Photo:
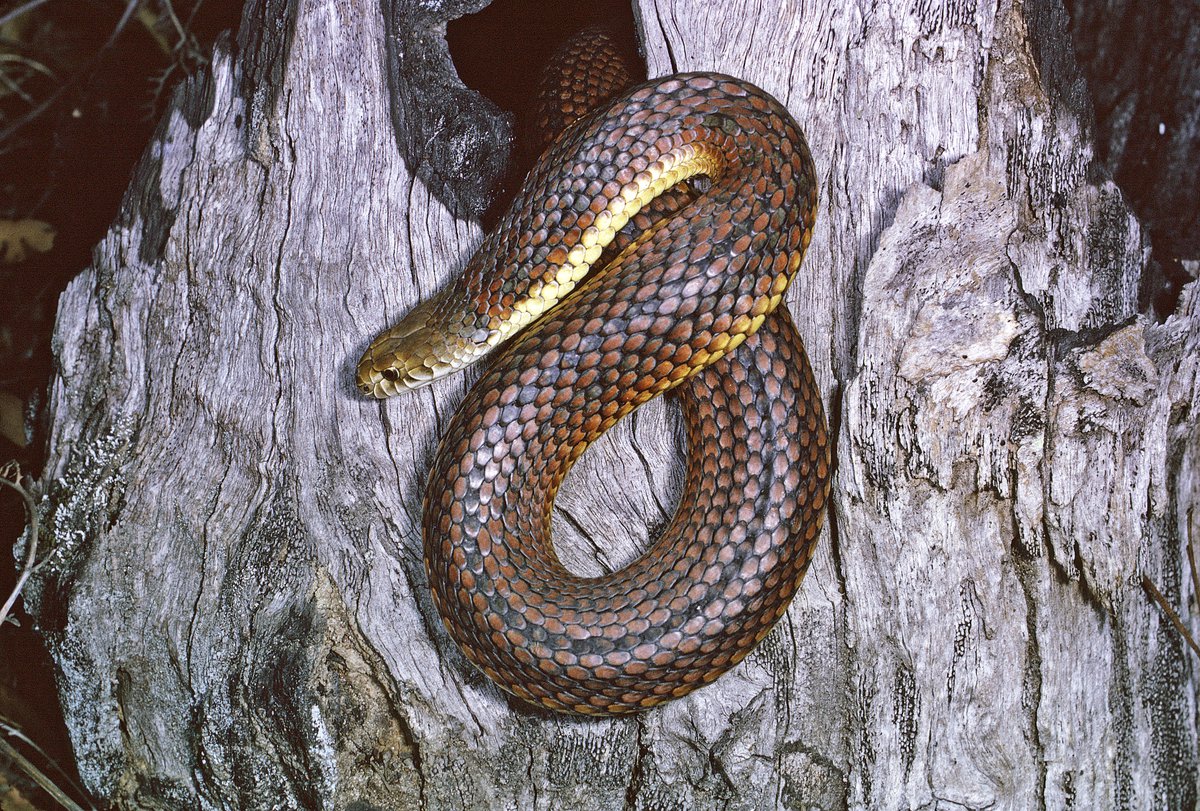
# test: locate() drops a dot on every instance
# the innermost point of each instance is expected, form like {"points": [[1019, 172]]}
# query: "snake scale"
{"points": [[688, 301]]}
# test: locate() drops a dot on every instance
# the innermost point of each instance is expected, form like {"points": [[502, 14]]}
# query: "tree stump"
{"points": [[237, 604]]}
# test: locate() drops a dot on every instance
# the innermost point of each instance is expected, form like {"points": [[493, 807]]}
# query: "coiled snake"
{"points": [[579, 347]]}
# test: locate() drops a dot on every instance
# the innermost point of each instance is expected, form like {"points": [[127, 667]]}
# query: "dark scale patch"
{"points": [[725, 123]]}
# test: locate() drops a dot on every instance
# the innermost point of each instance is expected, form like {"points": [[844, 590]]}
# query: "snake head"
{"points": [[426, 344]]}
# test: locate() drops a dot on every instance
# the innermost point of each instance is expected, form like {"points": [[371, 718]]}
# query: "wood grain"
{"points": [[237, 603]]}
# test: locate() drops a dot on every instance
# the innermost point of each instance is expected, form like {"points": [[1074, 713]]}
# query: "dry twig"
{"points": [[20, 11], [16, 125], [1156, 595], [38, 776], [10, 729], [10, 476]]}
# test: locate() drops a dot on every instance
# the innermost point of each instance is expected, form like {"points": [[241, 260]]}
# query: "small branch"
{"points": [[13, 87], [28, 62], [21, 10], [185, 50], [19, 123], [10, 476], [13, 731], [1157, 596], [36, 775], [179, 29], [149, 22], [130, 8]]}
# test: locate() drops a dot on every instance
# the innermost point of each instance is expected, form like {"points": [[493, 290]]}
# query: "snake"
{"points": [[586, 308]]}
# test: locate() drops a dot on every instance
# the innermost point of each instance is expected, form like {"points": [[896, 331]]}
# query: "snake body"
{"points": [[580, 347]]}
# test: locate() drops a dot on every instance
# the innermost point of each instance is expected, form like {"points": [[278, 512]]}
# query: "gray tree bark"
{"points": [[237, 603]]}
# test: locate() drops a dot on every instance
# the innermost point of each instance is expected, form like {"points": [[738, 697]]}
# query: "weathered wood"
{"points": [[237, 602]]}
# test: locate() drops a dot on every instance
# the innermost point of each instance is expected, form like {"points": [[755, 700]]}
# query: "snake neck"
{"points": [[588, 185], [520, 271]]}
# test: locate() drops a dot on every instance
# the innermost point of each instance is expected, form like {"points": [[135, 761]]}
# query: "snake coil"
{"points": [[580, 345]]}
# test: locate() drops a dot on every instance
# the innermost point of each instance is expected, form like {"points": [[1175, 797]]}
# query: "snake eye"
{"points": [[391, 374], [720, 121]]}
